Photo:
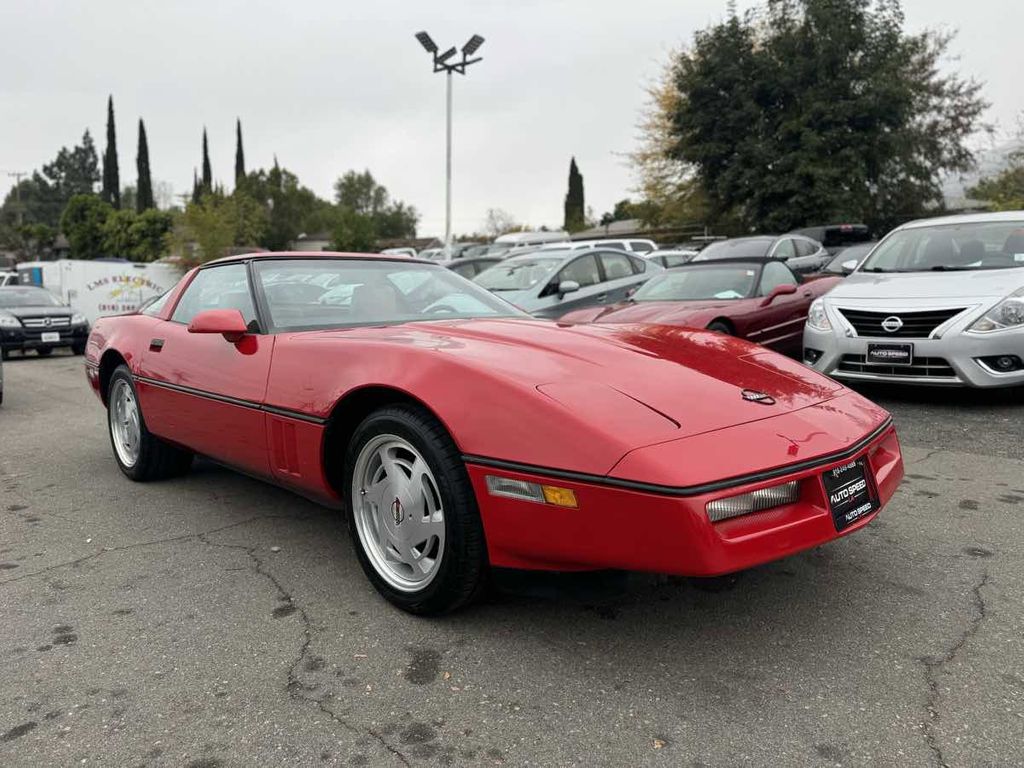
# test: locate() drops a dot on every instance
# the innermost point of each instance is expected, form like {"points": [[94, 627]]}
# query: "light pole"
{"points": [[441, 64]]}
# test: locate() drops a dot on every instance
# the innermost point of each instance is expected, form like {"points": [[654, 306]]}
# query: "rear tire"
{"points": [[437, 561], [139, 454], [78, 349], [719, 327]]}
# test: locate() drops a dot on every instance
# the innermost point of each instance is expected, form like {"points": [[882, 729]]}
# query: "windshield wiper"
{"points": [[949, 268]]}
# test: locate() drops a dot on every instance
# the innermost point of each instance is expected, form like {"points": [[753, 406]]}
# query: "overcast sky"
{"points": [[334, 85]]}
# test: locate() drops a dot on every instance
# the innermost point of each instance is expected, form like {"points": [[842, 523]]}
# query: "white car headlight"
{"points": [[78, 319], [9, 321], [817, 317], [1008, 313]]}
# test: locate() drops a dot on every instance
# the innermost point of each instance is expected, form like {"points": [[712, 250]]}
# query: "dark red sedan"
{"points": [[457, 433], [758, 299]]}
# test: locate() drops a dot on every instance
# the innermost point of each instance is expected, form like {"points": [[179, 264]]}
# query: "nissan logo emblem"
{"points": [[892, 324]]}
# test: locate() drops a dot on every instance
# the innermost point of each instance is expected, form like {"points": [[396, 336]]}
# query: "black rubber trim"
{"points": [[686, 490], [284, 412]]}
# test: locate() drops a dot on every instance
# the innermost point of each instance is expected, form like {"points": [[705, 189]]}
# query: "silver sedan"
{"points": [[938, 301], [549, 283]]}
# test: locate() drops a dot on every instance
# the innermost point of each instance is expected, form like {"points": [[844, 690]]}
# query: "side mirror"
{"points": [[227, 322], [848, 266], [778, 290], [568, 286]]}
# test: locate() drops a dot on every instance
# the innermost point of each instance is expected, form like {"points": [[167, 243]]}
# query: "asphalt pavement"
{"points": [[217, 621]]}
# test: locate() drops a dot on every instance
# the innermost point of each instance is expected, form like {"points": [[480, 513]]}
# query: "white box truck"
{"points": [[101, 287]]}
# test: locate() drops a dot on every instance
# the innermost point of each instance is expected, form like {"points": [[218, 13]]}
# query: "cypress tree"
{"points": [[239, 154], [575, 217], [207, 172], [197, 191], [111, 191], [144, 190]]}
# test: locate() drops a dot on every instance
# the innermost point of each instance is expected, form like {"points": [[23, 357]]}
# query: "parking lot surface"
{"points": [[215, 620]]}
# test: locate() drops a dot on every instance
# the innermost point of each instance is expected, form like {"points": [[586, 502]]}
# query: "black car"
{"points": [[33, 318]]}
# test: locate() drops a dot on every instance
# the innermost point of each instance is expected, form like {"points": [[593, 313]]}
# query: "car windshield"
{"points": [[520, 273], [854, 253], [740, 248], [950, 247], [334, 293], [690, 284], [27, 297]]}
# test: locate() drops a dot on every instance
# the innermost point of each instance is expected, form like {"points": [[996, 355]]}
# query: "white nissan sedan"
{"points": [[938, 301]]}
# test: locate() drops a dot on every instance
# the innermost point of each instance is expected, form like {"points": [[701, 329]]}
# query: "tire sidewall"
{"points": [[461, 519]]}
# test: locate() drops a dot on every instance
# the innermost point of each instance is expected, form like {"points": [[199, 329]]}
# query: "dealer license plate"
{"points": [[851, 493], [50, 336], [891, 354]]}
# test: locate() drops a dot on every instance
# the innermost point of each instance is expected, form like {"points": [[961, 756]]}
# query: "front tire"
{"points": [[140, 454], [44, 351], [719, 327], [412, 513], [78, 349]]}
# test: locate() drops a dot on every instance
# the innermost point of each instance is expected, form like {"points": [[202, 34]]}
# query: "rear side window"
{"points": [[616, 266], [583, 270], [639, 246], [639, 265], [805, 247], [225, 287], [784, 250]]}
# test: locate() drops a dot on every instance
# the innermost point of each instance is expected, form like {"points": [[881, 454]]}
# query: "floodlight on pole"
{"points": [[441, 65], [426, 42]]}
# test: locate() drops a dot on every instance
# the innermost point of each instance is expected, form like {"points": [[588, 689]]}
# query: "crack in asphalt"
{"points": [[933, 666], [924, 458], [295, 687], [155, 542]]}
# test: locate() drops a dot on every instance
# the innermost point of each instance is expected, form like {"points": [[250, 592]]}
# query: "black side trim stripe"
{"points": [[686, 490], [284, 412]]}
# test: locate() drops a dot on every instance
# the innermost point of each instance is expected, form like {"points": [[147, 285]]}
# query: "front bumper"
{"points": [[954, 359], [616, 527], [22, 339]]}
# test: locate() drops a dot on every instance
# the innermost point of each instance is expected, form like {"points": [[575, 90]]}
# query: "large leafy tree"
{"points": [[291, 208], [1004, 190], [808, 111], [83, 223], [575, 208], [358, 195], [144, 191], [111, 190]]}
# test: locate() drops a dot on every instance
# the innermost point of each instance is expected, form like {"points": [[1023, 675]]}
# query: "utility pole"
{"points": [[18, 176], [441, 65]]}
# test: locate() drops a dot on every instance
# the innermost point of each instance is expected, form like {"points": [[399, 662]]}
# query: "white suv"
{"points": [[631, 245]]}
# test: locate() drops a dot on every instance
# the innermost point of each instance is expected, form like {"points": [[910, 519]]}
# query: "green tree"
{"points": [[575, 208], [111, 190], [149, 235], [83, 223], [808, 111], [291, 208], [144, 193], [207, 170], [204, 231], [353, 232], [116, 237], [239, 153], [44, 196], [359, 194], [1005, 190]]}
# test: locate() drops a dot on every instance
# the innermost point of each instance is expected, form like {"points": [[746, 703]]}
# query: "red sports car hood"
{"points": [[644, 383]]}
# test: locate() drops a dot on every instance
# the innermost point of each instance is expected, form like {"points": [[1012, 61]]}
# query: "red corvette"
{"points": [[760, 300], [458, 433]]}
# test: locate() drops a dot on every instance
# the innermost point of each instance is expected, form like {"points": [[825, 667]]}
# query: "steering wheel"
{"points": [[441, 309]]}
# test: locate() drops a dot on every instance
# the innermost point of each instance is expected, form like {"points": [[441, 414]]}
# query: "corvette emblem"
{"points": [[753, 396], [892, 324], [397, 511]]}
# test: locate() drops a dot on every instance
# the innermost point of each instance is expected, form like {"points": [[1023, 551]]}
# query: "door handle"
{"points": [[602, 297], [155, 345]]}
